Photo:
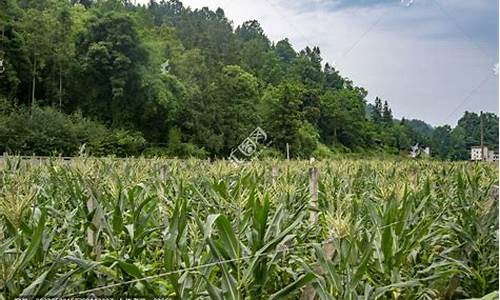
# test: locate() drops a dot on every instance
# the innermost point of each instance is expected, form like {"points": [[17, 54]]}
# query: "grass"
{"points": [[385, 229]]}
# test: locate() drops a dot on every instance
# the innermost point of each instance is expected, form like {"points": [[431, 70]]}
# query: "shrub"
{"points": [[46, 131]]}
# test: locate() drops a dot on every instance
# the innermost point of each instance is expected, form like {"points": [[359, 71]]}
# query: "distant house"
{"points": [[492, 156], [476, 154], [417, 151], [427, 151]]}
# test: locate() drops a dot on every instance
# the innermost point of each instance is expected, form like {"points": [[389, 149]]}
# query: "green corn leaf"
{"points": [[130, 269], [286, 292], [36, 241]]}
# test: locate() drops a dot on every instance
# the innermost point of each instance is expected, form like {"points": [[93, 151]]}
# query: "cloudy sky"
{"points": [[431, 59]]}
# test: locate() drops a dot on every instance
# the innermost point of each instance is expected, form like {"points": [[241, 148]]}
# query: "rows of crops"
{"points": [[193, 229]]}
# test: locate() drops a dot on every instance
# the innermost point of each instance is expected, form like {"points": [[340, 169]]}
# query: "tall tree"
{"points": [[227, 114], [251, 30], [377, 111], [387, 114], [64, 47], [112, 56], [441, 141], [37, 25], [307, 67], [16, 78], [332, 78], [187, 78], [285, 118], [285, 51], [343, 118]]}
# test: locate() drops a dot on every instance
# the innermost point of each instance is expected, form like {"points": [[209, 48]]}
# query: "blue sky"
{"points": [[430, 59]]}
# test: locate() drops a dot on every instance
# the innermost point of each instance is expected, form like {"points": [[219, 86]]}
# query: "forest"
{"points": [[112, 78]]}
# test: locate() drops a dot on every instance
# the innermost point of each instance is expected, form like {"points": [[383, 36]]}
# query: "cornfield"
{"points": [[379, 229]]}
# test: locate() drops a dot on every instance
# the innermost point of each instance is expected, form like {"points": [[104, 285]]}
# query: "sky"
{"points": [[430, 59]]}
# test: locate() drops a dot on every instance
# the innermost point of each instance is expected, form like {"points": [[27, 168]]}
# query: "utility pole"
{"points": [[482, 137], [287, 151]]}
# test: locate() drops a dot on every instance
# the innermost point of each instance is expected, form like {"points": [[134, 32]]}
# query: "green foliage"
{"points": [[420, 127], [387, 114], [228, 114], [386, 229], [343, 118], [322, 152], [111, 55], [376, 114], [46, 131], [455, 144], [284, 118], [308, 139], [162, 66]]}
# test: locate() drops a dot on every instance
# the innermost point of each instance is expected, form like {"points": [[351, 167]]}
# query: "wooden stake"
{"points": [[274, 174], [90, 232], [313, 188], [495, 192], [91, 235], [330, 252], [163, 173], [287, 151]]}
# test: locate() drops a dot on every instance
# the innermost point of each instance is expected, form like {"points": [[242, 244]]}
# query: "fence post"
{"points": [[329, 250], [90, 232], [163, 173], [274, 174], [91, 235], [313, 189], [495, 192]]}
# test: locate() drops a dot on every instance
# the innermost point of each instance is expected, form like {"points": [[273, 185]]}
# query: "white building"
{"points": [[417, 151], [492, 156], [476, 154]]}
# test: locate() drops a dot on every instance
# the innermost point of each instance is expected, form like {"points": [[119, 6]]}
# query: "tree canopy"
{"points": [[165, 79]]}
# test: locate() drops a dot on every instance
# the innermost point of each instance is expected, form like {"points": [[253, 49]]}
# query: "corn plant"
{"points": [[199, 230]]}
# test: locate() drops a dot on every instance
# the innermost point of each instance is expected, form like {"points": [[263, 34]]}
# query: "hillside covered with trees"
{"points": [[164, 79]]}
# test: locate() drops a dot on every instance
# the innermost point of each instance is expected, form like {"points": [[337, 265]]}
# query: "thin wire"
{"points": [[64, 139], [468, 97], [72, 158], [432, 216], [486, 79], [446, 14], [248, 257], [278, 11], [194, 268], [363, 35], [372, 26]]}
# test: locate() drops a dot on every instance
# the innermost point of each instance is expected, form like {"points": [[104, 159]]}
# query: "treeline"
{"points": [[163, 79]]}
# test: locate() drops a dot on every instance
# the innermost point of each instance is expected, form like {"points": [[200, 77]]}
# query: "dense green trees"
{"points": [[226, 113], [343, 118], [454, 144], [165, 79], [285, 120], [46, 131], [111, 55]]}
